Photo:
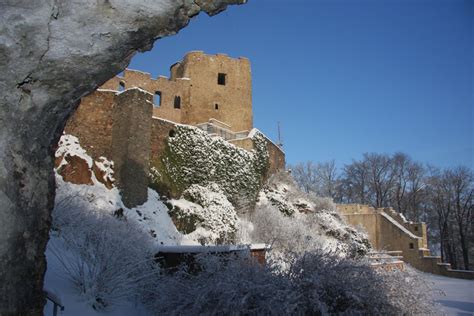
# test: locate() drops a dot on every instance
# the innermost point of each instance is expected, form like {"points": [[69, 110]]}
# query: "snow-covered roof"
{"points": [[207, 249]]}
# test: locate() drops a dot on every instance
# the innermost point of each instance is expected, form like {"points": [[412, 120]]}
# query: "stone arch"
{"points": [[41, 84]]}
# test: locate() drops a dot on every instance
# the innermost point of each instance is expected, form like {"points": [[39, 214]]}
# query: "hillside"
{"points": [[105, 250]]}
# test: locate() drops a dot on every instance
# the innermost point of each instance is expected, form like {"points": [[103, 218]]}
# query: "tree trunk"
{"points": [[464, 248]]}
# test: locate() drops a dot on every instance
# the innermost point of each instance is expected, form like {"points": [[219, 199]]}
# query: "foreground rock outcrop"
{"points": [[51, 54]]}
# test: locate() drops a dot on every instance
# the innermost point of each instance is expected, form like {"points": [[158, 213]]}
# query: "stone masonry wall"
{"points": [[92, 123], [160, 131], [389, 231], [195, 81], [233, 100], [131, 144], [168, 89], [276, 158]]}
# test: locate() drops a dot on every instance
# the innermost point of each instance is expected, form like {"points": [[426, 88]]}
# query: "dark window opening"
{"points": [[172, 133], [177, 102], [412, 246], [216, 106], [416, 228], [157, 98], [221, 79], [121, 86]]}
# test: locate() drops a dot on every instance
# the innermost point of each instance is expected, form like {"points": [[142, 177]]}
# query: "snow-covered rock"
{"points": [[300, 222], [75, 166], [205, 214]]}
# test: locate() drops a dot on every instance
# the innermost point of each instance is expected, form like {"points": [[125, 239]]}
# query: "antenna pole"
{"points": [[280, 143]]}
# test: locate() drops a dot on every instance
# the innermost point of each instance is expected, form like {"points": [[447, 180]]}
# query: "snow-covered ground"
{"points": [[457, 297]]}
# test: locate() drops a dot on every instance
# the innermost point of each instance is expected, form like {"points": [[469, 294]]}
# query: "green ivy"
{"points": [[193, 157]]}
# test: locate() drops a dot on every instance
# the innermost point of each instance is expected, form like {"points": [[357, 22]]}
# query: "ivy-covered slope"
{"points": [[193, 157]]}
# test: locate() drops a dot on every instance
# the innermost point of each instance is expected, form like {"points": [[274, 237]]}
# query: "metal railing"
{"points": [[227, 134], [55, 300]]}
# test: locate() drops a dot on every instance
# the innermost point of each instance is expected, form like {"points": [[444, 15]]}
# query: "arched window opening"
{"points": [[121, 86], [157, 98], [177, 102]]}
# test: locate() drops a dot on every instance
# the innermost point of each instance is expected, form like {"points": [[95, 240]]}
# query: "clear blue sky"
{"points": [[348, 77]]}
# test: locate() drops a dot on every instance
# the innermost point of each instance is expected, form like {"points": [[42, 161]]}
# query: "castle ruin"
{"points": [[129, 118], [388, 230]]}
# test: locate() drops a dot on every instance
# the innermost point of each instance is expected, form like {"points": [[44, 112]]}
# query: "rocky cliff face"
{"points": [[52, 53]]}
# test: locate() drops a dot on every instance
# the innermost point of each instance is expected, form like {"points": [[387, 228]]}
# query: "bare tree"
{"points": [[305, 175], [461, 182], [441, 204], [327, 178], [416, 174], [441, 197], [401, 164], [320, 179], [380, 178], [354, 182]]}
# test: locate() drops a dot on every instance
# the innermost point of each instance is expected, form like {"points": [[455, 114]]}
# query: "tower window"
{"points": [[416, 228], [216, 106], [221, 79], [412, 246], [177, 102], [121, 86], [157, 98]]}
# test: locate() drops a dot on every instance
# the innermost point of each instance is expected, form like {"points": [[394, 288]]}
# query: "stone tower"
{"points": [[220, 88], [201, 87]]}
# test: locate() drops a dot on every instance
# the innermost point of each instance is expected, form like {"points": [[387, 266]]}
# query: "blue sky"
{"points": [[348, 77]]}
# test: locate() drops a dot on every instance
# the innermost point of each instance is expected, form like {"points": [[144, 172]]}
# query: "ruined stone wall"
{"points": [[195, 81], [389, 231], [131, 144], [418, 229], [168, 89], [369, 222], [160, 131], [384, 233], [393, 238], [245, 143], [276, 159], [92, 123], [230, 103]]}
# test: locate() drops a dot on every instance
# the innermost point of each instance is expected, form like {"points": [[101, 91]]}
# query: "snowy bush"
{"points": [[226, 286], [333, 285], [205, 214], [109, 261], [291, 220], [285, 234], [194, 157], [314, 284]]}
